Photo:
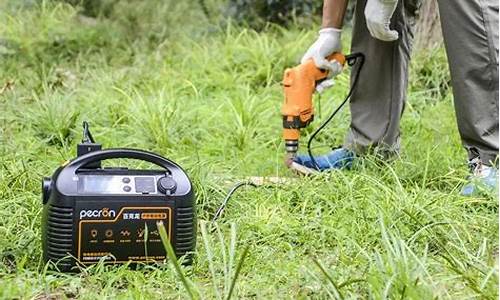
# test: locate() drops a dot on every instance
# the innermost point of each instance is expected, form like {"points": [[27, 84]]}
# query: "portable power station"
{"points": [[93, 213]]}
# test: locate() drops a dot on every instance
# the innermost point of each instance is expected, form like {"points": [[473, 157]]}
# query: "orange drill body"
{"points": [[299, 86]]}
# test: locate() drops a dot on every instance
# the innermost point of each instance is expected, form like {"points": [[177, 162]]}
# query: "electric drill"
{"points": [[297, 110]]}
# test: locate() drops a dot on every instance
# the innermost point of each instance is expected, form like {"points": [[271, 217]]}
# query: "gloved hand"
{"points": [[327, 43], [378, 15]]}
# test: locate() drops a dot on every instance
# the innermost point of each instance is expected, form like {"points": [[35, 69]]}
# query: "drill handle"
{"points": [[337, 56], [322, 74]]}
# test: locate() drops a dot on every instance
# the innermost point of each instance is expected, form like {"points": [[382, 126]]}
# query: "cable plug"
{"points": [[87, 145]]}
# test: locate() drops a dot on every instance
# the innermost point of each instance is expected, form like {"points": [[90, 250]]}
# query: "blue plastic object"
{"points": [[340, 158]]}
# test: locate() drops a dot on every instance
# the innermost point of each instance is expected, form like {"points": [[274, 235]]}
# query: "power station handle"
{"points": [[114, 153]]}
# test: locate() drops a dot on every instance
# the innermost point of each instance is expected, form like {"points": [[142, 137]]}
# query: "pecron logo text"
{"points": [[103, 213]]}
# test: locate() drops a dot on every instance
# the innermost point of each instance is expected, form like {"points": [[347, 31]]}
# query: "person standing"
{"points": [[383, 30]]}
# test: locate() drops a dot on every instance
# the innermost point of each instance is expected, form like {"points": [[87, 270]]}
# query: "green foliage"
{"points": [[431, 81], [209, 99], [94, 8], [258, 13]]}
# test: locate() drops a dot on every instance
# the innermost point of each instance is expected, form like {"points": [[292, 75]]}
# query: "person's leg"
{"points": [[378, 101], [470, 31]]}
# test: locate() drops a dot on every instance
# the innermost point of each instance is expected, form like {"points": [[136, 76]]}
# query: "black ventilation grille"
{"points": [[185, 231], [60, 235]]}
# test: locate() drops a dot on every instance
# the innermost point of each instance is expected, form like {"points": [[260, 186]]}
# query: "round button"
{"points": [[126, 180], [167, 184], [127, 188]]}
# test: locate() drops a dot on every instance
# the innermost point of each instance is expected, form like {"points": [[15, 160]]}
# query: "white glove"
{"points": [[378, 15], [327, 43], [335, 69]]}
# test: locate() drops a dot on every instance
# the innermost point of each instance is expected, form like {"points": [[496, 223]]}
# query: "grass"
{"points": [[208, 96]]}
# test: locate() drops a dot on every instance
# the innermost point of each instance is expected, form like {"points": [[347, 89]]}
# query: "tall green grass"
{"points": [[160, 77]]}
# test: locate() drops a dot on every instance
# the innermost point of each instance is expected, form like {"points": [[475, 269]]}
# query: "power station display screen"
{"points": [[117, 184], [98, 184]]}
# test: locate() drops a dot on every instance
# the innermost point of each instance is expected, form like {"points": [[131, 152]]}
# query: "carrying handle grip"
{"points": [[67, 176], [113, 153]]}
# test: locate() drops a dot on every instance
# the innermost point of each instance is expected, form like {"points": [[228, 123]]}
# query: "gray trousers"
{"points": [[470, 31]]}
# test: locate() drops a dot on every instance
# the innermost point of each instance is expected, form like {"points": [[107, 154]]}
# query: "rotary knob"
{"points": [[167, 185]]}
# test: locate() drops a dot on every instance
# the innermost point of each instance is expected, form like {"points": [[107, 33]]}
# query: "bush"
{"points": [[257, 13]]}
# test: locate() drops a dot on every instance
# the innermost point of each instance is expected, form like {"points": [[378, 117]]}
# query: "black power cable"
{"points": [[87, 136], [221, 208], [351, 61]]}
